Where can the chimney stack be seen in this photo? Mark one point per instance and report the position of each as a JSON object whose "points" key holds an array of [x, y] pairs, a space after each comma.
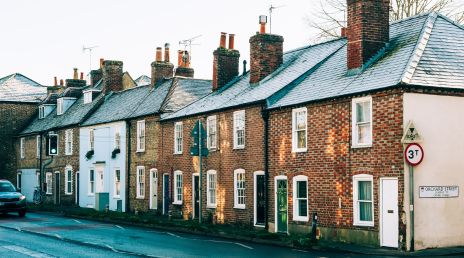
{"points": [[75, 81], [225, 62], [161, 70], [101, 63], [96, 75], [368, 30], [183, 60], [343, 32], [75, 76], [266, 53], [112, 76]]}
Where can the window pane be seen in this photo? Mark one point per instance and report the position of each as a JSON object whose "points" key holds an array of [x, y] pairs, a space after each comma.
{"points": [[301, 189], [301, 139], [365, 191], [362, 112], [365, 211], [364, 133], [303, 208]]}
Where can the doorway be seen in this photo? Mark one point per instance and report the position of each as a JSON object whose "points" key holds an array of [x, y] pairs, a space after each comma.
{"points": [[77, 187], [389, 212], [100, 186], [57, 188], [281, 204], [154, 189], [196, 195], [165, 194], [259, 199]]}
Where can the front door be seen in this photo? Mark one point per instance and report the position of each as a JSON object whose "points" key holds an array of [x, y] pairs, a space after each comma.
{"points": [[77, 188], [389, 212], [259, 200], [154, 189], [57, 187], [100, 180], [282, 207], [165, 194], [196, 196]]}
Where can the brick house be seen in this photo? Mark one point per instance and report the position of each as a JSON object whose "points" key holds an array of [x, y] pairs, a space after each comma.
{"points": [[336, 135], [137, 127], [19, 97]]}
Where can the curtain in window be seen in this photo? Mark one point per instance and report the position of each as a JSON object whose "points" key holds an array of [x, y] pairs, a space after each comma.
{"points": [[365, 200]]}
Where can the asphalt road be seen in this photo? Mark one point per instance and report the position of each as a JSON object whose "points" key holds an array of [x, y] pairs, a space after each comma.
{"points": [[39, 235]]}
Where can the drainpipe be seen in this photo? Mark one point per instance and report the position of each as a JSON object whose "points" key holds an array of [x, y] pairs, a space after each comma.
{"points": [[265, 115], [40, 161], [128, 158]]}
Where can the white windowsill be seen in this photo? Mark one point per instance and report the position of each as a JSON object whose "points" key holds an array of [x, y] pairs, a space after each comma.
{"points": [[299, 150], [259, 226], [90, 194], [239, 147], [68, 193], [177, 203], [242, 207], [177, 153], [363, 223], [117, 197], [301, 219], [140, 151], [211, 206], [140, 197], [360, 146]]}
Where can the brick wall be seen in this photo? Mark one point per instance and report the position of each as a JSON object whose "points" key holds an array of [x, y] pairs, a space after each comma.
{"points": [[13, 118], [330, 161], [224, 160]]}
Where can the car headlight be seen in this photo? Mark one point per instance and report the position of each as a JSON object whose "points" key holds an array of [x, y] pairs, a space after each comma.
{"points": [[22, 198]]}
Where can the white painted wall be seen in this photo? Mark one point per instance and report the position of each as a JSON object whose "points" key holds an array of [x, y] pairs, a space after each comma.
{"points": [[440, 121], [104, 145], [28, 183]]}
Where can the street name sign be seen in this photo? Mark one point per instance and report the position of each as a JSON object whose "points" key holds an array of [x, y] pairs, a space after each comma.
{"points": [[438, 191]]}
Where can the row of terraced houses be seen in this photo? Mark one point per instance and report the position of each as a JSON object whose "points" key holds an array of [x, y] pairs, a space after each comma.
{"points": [[311, 133]]}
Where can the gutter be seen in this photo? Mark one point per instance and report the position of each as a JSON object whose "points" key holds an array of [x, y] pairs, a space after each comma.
{"points": [[265, 116]]}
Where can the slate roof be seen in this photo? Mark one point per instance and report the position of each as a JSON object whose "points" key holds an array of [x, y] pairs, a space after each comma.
{"points": [[17, 87], [425, 50], [168, 96], [143, 80]]}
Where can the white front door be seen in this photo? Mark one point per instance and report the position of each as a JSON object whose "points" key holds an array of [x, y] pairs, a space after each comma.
{"points": [[389, 212], [100, 182], [154, 189]]}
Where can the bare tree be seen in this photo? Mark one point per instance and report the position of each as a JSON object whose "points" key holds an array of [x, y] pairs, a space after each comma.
{"points": [[330, 16]]}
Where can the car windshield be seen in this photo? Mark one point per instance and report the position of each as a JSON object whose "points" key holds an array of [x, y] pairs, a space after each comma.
{"points": [[6, 187]]}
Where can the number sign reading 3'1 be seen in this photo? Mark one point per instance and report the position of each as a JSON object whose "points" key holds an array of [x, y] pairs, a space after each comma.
{"points": [[414, 154]]}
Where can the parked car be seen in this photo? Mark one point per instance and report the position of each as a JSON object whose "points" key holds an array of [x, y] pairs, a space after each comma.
{"points": [[11, 200]]}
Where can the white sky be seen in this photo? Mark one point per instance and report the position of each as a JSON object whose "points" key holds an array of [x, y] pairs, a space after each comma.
{"points": [[43, 39]]}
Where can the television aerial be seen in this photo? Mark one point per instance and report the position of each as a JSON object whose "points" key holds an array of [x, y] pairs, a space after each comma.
{"points": [[90, 48], [188, 43], [271, 8]]}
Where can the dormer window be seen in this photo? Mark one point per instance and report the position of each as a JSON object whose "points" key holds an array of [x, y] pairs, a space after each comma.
{"points": [[41, 112], [87, 97], [59, 108]]}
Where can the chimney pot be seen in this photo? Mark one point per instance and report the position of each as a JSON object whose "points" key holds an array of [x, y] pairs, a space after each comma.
{"points": [[179, 58], [75, 76], [158, 54], [166, 52], [61, 82], [244, 66], [82, 76], [222, 42], [262, 22], [55, 83], [231, 41], [101, 62]]}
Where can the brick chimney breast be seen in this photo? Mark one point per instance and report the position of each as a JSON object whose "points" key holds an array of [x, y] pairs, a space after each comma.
{"points": [[112, 76], [161, 70], [225, 63], [368, 30], [266, 55], [184, 69]]}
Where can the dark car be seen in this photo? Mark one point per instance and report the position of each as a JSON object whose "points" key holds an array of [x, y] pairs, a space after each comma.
{"points": [[11, 200]]}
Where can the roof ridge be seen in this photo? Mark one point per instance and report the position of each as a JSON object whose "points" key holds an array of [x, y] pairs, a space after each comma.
{"points": [[419, 48], [315, 45]]}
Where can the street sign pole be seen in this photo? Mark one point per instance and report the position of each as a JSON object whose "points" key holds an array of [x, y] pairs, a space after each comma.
{"points": [[411, 204], [199, 180]]}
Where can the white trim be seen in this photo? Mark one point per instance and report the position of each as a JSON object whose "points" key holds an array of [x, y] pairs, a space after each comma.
{"points": [[294, 133], [115, 195], [37, 145], [67, 180], [41, 112], [178, 146], [176, 200], [88, 96], [90, 189], [153, 171], [356, 220], [141, 133], [212, 145], [68, 145], [76, 185], [255, 196], [208, 203], [59, 106], [140, 194], [22, 147], [296, 217], [354, 128], [19, 180], [236, 204], [275, 201], [193, 193], [49, 186], [237, 115]]}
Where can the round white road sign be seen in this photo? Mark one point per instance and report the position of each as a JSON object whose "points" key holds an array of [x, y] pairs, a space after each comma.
{"points": [[414, 154]]}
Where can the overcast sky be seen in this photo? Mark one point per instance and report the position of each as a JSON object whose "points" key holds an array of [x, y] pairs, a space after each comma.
{"points": [[43, 39]]}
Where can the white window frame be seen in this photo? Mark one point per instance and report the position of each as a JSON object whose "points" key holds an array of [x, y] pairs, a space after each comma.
{"points": [[178, 190], [141, 136], [209, 183], [41, 112], [87, 97], [91, 187], [211, 121], [117, 138], [238, 205], [68, 135], [91, 139], [22, 147], [295, 147], [49, 182], [59, 106], [356, 213], [140, 182], [237, 115], [37, 139], [354, 128], [68, 180], [117, 183], [296, 207], [18, 180], [178, 137]]}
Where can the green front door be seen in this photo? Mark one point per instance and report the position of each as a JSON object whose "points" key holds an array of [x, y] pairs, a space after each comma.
{"points": [[282, 205]]}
